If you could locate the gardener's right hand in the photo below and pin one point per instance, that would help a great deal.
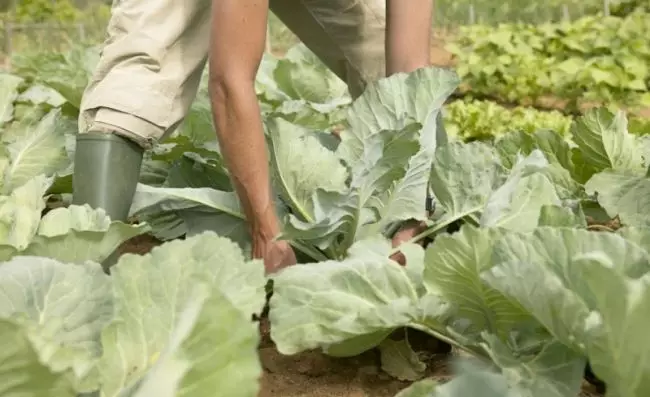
(277, 254)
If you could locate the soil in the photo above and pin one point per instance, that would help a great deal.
(313, 374)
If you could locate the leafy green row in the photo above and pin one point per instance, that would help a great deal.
(470, 119)
(486, 12)
(595, 58)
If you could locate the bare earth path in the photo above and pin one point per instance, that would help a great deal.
(313, 375)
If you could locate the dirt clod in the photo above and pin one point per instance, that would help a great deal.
(139, 245)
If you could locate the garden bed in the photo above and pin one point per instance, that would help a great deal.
(314, 374)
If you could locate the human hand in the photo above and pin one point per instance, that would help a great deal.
(277, 254)
(404, 234)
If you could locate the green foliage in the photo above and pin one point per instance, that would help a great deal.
(470, 119)
(477, 120)
(489, 12)
(595, 58)
(525, 284)
(626, 7)
(46, 11)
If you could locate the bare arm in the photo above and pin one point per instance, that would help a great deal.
(237, 45)
(408, 42)
(408, 34)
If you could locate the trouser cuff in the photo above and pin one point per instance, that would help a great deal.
(126, 125)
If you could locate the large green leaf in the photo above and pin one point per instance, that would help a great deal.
(516, 204)
(173, 212)
(604, 142)
(484, 316)
(302, 75)
(349, 306)
(20, 215)
(464, 175)
(423, 388)
(553, 145)
(152, 291)
(198, 170)
(625, 194)
(178, 164)
(302, 165)
(404, 185)
(22, 373)
(64, 307)
(453, 265)
(299, 88)
(554, 215)
(469, 181)
(555, 149)
(566, 278)
(34, 150)
(549, 370)
(387, 184)
(389, 151)
(79, 233)
(198, 125)
(41, 97)
(400, 361)
(212, 351)
(8, 93)
(390, 103)
(67, 72)
(475, 379)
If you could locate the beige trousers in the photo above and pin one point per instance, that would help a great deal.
(152, 61)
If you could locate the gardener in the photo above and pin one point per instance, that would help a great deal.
(150, 69)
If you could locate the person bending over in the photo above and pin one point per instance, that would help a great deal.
(151, 65)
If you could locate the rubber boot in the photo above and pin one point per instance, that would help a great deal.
(106, 173)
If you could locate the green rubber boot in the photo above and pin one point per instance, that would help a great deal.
(106, 173)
